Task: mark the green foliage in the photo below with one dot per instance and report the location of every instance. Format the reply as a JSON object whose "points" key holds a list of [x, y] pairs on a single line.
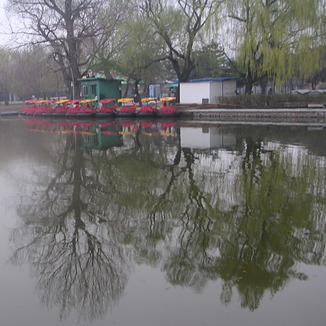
{"points": [[277, 39], [179, 24], [272, 101], [211, 62], [271, 41], [140, 51], [320, 75]]}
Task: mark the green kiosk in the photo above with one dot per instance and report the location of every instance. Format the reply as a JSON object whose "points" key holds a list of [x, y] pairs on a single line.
{"points": [[100, 88]]}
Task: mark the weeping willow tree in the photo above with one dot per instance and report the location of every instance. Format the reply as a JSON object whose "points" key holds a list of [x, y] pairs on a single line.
{"points": [[276, 40]]}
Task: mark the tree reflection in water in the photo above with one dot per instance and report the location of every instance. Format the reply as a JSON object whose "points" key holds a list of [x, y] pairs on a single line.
{"points": [[79, 262], [248, 217]]}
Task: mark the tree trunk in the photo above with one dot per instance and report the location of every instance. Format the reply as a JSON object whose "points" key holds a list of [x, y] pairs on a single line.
{"points": [[249, 83], [137, 98], [263, 84]]}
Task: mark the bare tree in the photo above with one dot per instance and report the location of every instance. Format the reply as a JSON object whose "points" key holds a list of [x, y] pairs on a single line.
{"points": [[179, 24], [74, 30], [6, 80]]}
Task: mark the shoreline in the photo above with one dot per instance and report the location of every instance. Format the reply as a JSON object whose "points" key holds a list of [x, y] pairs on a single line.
{"points": [[245, 114], [202, 113]]}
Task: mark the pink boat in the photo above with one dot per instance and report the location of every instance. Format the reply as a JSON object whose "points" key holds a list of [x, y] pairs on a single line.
{"points": [[107, 108], [166, 110], [147, 110], [126, 110]]}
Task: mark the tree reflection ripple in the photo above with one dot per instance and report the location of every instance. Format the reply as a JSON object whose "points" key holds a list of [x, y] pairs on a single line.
{"points": [[111, 196]]}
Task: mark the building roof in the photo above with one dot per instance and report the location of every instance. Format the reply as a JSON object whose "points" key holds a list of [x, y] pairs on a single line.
{"points": [[212, 79]]}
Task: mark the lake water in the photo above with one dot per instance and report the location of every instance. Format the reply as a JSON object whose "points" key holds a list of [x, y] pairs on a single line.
{"points": [[130, 223]]}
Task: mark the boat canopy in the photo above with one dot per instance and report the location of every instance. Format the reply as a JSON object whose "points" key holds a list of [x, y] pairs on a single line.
{"points": [[87, 101], [62, 101], [125, 100], [107, 100], [167, 99], [73, 101], [148, 99], [45, 101]]}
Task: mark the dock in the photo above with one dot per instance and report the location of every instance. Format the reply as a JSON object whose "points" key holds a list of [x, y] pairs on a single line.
{"points": [[270, 114]]}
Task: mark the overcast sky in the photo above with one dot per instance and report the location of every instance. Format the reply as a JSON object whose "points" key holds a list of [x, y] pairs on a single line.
{"points": [[4, 25]]}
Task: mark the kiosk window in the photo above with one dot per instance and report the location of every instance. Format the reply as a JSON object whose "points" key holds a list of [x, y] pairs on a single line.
{"points": [[85, 91], [93, 90]]}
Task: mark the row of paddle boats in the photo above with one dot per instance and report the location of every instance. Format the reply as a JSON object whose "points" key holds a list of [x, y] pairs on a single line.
{"points": [[124, 107]]}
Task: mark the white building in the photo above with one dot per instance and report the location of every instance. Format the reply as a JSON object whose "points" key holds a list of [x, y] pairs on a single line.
{"points": [[206, 90]]}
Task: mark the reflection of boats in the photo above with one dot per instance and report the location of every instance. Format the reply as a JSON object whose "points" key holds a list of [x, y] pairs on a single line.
{"points": [[98, 135], [128, 127], [101, 129], [148, 128], [147, 110], [106, 135], [167, 110], [167, 128], [36, 125], [126, 110], [106, 109]]}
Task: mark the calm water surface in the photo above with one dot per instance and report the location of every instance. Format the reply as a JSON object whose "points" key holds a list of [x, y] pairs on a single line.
{"points": [[130, 223]]}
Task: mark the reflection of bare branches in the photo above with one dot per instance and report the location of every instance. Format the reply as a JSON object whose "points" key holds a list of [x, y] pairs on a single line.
{"points": [[63, 170], [78, 264], [239, 222], [75, 268]]}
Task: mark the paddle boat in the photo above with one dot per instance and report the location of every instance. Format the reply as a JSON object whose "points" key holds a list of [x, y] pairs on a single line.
{"points": [[147, 110], [126, 110], [31, 110], [86, 110], [73, 108], [40, 108], [167, 110], [46, 110], [107, 108], [30, 107], [61, 108]]}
